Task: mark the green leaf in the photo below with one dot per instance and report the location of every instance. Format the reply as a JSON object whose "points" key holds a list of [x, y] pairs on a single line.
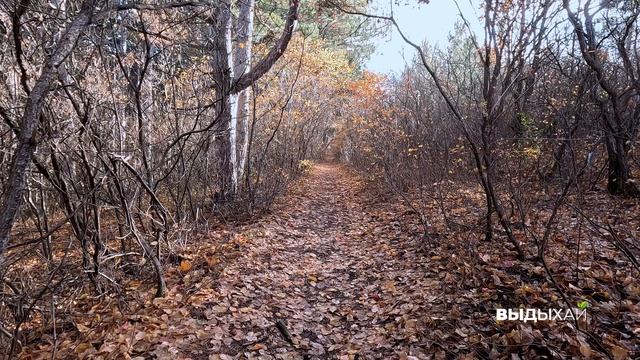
{"points": [[583, 304]]}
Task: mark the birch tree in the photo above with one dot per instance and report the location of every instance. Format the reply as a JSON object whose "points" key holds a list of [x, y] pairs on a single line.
{"points": [[228, 85], [242, 65]]}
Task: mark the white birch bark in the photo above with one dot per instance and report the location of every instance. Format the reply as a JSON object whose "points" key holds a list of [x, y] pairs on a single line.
{"points": [[243, 65], [233, 105]]}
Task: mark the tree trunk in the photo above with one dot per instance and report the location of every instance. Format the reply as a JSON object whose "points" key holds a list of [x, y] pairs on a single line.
{"points": [[241, 66], [620, 126], [227, 85], [619, 180], [222, 62], [27, 140]]}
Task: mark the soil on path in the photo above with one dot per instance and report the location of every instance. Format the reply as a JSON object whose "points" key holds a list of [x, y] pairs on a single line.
{"points": [[344, 283], [329, 273]]}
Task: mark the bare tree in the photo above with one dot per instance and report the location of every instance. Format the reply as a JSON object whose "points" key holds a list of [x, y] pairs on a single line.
{"points": [[618, 101]]}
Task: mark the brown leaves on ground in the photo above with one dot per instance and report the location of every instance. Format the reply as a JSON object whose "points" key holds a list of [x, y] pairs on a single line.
{"points": [[334, 273]]}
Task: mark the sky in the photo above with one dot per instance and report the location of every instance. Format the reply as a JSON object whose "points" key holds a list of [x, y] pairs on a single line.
{"points": [[431, 22]]}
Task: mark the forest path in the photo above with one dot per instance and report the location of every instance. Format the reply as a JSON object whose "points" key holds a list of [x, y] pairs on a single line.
{"points": [[334, 266], [340, 279]]}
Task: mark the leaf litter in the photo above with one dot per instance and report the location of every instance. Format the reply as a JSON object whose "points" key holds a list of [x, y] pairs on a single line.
{"points": [[334, 272]]}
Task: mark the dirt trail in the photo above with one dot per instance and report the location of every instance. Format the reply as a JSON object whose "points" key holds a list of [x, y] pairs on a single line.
{"points": [[343, 278], [328, 270]]}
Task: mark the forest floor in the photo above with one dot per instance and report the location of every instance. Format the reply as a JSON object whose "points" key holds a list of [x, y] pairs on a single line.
{"points": [[334, 271], [318, 277]]}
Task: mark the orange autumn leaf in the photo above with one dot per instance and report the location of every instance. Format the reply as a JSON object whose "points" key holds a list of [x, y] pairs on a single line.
{"points": [[185, 265]]}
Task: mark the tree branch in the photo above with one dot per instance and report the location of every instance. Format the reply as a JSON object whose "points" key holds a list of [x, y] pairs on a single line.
{"points": [[245, 80]]}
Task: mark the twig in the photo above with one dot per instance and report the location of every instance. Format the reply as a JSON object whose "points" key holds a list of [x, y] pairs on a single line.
{"points": [[282, 327]]}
